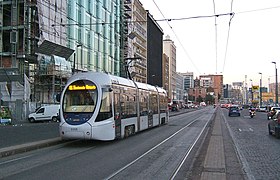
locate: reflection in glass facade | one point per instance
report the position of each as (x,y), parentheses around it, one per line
(94,34)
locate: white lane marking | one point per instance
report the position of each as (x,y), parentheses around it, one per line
(246,130)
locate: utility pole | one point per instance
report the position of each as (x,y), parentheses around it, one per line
(260,90)
(276,84)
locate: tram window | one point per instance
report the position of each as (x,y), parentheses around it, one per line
(128,103)
(79,99)
(143,103)
(105,111)
(163,102)
(153,103)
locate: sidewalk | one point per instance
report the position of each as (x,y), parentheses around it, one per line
(214,164)
(221,161)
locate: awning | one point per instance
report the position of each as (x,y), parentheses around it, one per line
(50,48)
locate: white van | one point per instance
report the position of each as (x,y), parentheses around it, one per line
(45,113)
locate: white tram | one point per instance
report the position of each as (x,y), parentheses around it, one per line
(105,107)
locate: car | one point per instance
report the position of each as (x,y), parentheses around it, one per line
(234,110)
(262,109)
(45,113)
(175,107)
(274,125)
(272,112)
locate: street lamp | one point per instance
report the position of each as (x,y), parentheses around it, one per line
(260,89)
(252,94)
(276,84)
(74,62)
(127,62)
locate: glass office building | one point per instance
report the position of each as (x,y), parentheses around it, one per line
(94,33)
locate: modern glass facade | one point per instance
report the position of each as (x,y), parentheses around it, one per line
(94,33)
(188,80)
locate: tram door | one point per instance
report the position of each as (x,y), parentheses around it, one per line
(117,114)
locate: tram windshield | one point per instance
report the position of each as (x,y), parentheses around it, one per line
(80,97)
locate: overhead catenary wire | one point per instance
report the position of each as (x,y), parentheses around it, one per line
(227,42)
(216,36)
(137,21)
(185,51)
(196,17)
(256,10)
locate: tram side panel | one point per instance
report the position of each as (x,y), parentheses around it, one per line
(128,117)
(163,108)
(143,108)
(154,108)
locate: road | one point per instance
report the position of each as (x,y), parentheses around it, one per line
(157,153)
(258,151)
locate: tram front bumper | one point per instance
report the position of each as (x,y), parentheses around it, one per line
(68,131)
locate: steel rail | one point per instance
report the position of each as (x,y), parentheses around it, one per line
(161,143)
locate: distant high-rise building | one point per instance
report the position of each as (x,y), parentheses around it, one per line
(188,80)
(165,72)
(169,49)
(179,87)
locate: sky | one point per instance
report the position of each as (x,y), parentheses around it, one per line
(239,46)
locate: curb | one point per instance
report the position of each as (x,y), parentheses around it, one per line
(8,151)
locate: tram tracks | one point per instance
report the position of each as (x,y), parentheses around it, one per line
(201,123)
(14,164)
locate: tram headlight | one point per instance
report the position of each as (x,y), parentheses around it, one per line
(88,133)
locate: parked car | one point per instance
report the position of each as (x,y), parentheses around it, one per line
(274,125)
(45,113)
(234,110)
(272,112)
(175,106)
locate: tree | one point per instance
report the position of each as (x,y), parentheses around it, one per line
(191,98)
(199,99)
(210,99)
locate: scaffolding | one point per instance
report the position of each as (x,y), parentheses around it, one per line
(24,26)
(52,75)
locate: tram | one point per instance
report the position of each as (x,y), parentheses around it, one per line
(101,106)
